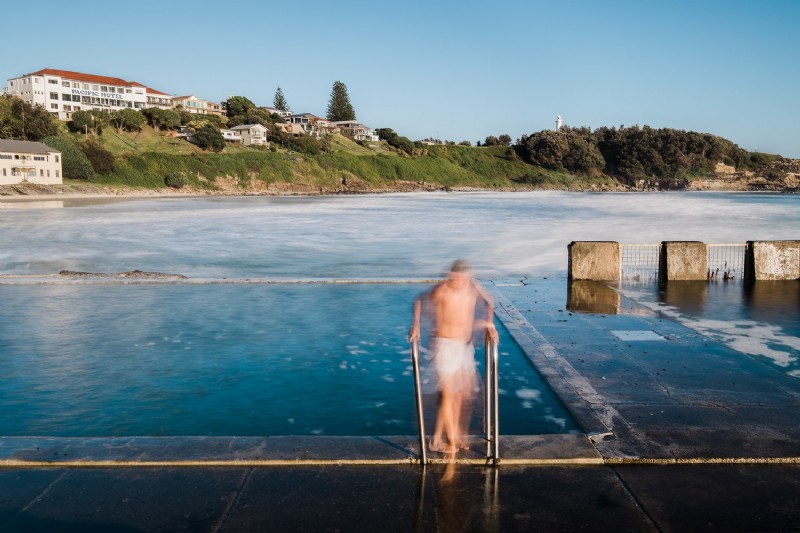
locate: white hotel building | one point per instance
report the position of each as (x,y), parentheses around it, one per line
(62,92)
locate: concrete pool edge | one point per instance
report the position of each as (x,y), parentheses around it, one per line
(16,452)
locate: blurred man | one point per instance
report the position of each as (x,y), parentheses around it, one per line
(454,301)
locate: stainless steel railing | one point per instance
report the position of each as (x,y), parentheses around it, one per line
(491,425)
(423,449)
(491,419)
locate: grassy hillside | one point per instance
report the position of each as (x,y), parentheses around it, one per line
(143,159)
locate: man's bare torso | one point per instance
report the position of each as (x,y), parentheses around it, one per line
(454,302)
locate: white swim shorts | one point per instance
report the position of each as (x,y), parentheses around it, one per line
(454,362)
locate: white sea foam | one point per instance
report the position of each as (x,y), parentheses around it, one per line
(529,394)
(391,235)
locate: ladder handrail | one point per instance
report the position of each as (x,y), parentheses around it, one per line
(491,419)
(423,452)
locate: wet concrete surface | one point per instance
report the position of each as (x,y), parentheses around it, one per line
(682,397)
(403,498)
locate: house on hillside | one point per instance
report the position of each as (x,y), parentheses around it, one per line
(283,114)
(198,106)
(26,161)
(312,124)
(252,134)
(357,131)
(295,130)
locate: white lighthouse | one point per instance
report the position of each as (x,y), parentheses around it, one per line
(559,122)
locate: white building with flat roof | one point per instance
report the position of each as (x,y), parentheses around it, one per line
(63,92)
(27,161)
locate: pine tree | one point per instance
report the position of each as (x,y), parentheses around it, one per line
(279,102)
(339,106)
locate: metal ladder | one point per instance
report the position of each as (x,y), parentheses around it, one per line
(491,426)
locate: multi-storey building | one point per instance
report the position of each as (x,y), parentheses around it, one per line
(63,92)
(29,161)
(198,106)
(356,130)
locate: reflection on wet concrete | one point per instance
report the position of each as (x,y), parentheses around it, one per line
(592,297)
(773,299)
(457,506)
(689,296)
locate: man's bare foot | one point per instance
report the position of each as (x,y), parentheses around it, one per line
(439,446)
(462,445)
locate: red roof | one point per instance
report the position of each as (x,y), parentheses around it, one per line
(92,78)
(80,76)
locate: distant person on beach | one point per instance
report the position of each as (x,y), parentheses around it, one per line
(453,303)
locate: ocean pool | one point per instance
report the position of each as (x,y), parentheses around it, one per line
(230,359)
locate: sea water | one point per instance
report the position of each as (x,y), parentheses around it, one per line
(248,357)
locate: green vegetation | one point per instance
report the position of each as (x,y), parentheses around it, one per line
(176,180)
(23,121)
(279,101)
(141,150)
(339,106)
(74,163)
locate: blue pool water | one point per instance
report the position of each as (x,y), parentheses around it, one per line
(228,359)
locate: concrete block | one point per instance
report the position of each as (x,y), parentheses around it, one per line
(772,260)
(683,261)
(594,260)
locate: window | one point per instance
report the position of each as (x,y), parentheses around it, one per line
(66,97)
(38,80)
(48,172)
(54,82)
(76,108)
(4,172)
(104,88)
(95,88)
(56,159)
(53,106)
(38,158)
(41,172)
(67,107)
(53,96)
(57,174)
(65,83)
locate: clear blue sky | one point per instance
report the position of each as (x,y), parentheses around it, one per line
(453,69)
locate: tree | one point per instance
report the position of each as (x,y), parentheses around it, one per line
(238,105)
(27,122)
(339,106)
(491,140)
(74,163)
(505,139)
(279,102)
(162,118)
(128,119)
(210,138)
(89,121)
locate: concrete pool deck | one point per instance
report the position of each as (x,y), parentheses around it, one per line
(680,433)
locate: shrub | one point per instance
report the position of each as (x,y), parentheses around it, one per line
(176,180)
(102,160)
(210,138)
(74,163)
